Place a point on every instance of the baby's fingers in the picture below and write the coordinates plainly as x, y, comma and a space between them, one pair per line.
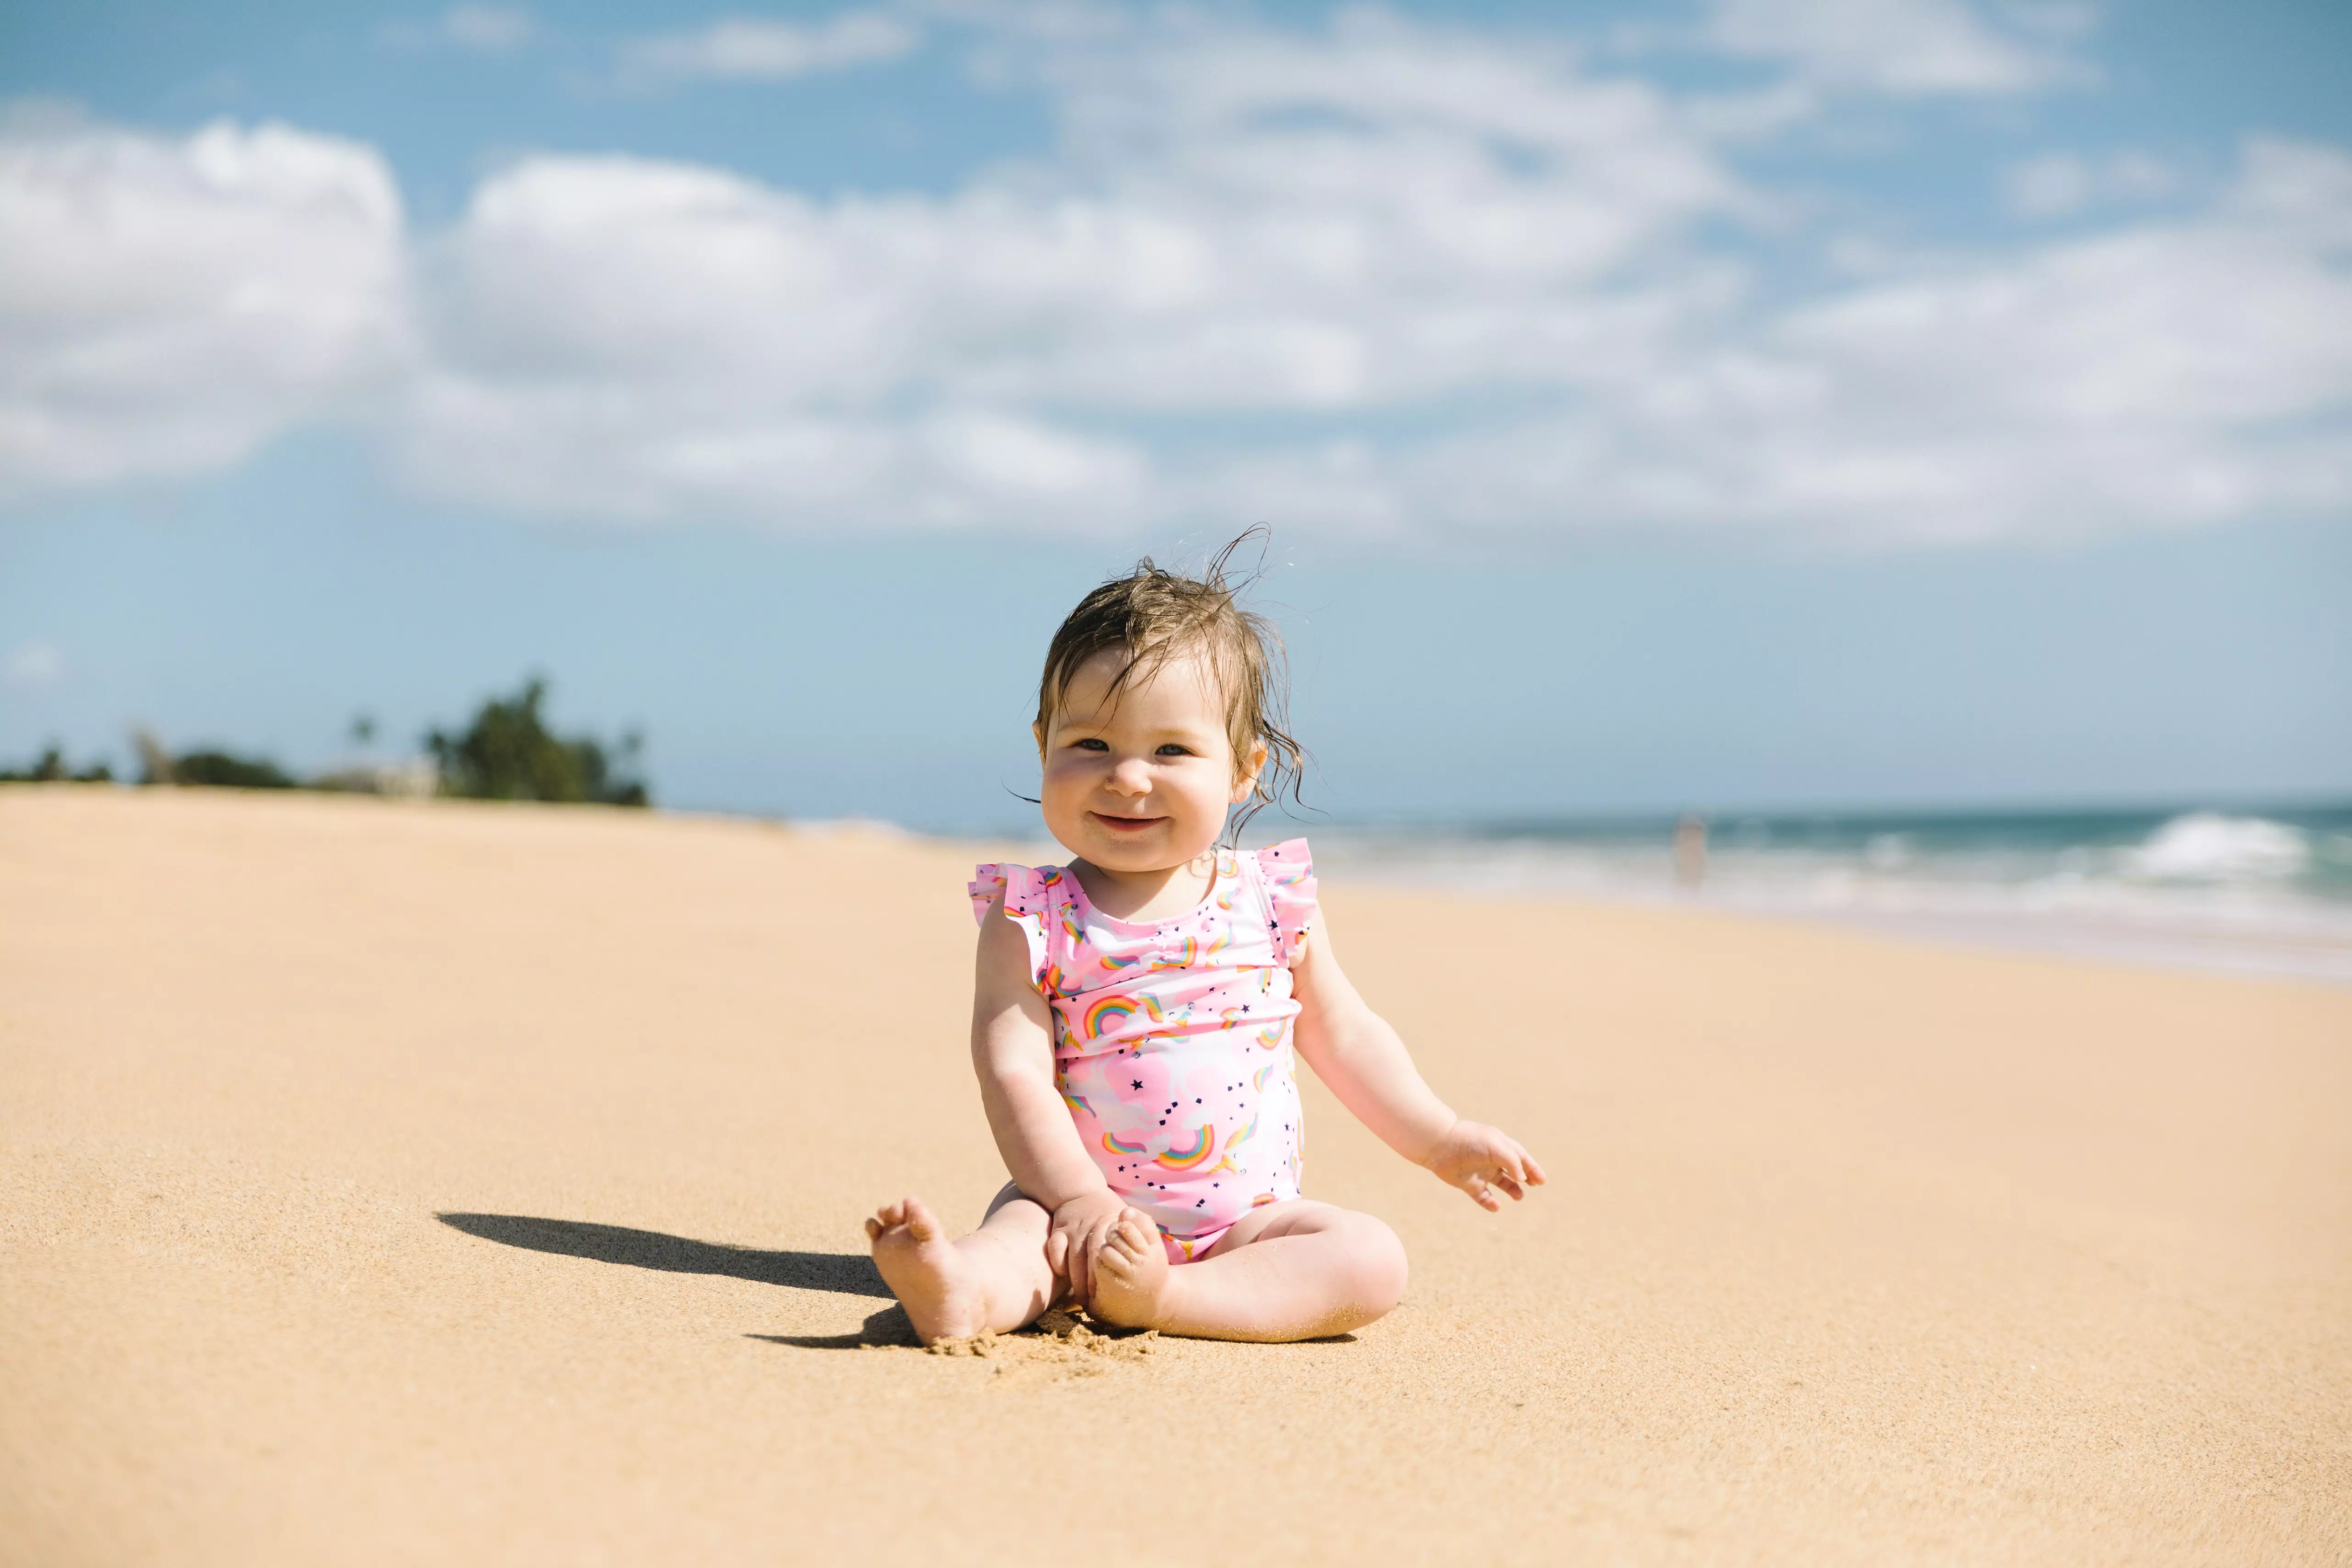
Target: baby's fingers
1509, 1158
1475, 1185
1517, 1164
1057, 1252
1097, 1237
1082, 1270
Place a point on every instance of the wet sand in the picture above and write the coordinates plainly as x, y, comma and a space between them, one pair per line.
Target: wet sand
393, 1184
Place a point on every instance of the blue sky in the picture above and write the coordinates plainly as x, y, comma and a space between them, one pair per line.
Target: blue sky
1751, 404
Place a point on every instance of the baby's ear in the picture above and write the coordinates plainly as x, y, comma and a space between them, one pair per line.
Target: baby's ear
1037, 732
1251, 767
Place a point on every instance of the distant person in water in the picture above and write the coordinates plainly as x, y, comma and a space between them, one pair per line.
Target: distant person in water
1136, 1014
1690, 851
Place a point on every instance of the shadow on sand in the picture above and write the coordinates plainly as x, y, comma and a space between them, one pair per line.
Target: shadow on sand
846, 1273
888, 1327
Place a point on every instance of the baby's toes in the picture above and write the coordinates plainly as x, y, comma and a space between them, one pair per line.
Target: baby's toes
1130, 1273
1117, 1256
1122, 1250
1137, 1234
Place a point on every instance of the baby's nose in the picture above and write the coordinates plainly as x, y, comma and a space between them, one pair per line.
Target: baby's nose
1133, 777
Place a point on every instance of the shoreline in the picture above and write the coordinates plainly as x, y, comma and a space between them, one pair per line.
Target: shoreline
2156, 946
2185, 936
2197, 932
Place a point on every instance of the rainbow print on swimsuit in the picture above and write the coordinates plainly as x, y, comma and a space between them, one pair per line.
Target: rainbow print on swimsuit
1191, 952
1176, 1244
1109, 1013
1205, 1143
1171, 1038
1227, 1165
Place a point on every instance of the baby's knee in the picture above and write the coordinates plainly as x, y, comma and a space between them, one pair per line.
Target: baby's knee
1378, 1267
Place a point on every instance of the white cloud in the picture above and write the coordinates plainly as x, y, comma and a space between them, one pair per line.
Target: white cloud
31, 665
491, 29
1291, 227
168, 304
749, 48
2055, 185
1384, 276
477, 29
2184, 372
1906, 47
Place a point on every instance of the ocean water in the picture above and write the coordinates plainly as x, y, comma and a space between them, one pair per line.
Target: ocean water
2265, 892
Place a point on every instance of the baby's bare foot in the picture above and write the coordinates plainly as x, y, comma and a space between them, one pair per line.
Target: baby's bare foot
932, 1279
1132, 1275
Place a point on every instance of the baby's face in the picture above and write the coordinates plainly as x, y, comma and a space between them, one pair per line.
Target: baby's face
1140, 781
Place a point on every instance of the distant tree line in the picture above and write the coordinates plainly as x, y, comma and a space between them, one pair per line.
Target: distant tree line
507, 753
52, 767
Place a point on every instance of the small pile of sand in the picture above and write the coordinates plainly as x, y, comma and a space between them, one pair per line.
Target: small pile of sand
1065, 1336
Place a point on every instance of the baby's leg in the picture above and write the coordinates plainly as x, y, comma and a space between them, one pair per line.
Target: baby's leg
991, 1280
1296, 1270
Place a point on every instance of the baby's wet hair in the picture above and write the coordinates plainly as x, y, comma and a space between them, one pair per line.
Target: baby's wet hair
1153, 615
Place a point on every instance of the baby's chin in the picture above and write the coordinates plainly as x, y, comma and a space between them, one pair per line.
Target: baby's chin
1157, 849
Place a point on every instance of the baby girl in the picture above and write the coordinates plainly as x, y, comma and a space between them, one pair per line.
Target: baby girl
1136, 1014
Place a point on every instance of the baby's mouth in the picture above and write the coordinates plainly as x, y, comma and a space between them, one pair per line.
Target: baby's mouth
1123, 824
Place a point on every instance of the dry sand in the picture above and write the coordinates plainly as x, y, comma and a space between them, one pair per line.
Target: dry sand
1854, 1251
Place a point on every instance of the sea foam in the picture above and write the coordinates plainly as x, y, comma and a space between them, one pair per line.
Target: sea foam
2194, 888
2207, 847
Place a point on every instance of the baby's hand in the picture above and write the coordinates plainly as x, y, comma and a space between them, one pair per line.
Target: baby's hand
1479, 1159
1080, 1228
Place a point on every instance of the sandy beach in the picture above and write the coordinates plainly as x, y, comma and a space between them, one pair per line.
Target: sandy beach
477, 1185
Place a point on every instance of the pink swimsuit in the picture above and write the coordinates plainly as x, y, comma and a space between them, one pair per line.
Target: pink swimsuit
1171, 1039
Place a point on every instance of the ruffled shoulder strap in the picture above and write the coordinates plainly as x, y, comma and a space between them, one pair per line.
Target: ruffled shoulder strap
1028, 903
1287, 870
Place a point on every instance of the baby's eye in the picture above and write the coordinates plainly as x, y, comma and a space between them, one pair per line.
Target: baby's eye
1173, 750
1093, 743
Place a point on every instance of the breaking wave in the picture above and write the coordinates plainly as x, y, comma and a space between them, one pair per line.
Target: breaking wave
2268, 892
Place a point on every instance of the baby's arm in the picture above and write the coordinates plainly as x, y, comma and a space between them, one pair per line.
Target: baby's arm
1353, 1050
1013, 1053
